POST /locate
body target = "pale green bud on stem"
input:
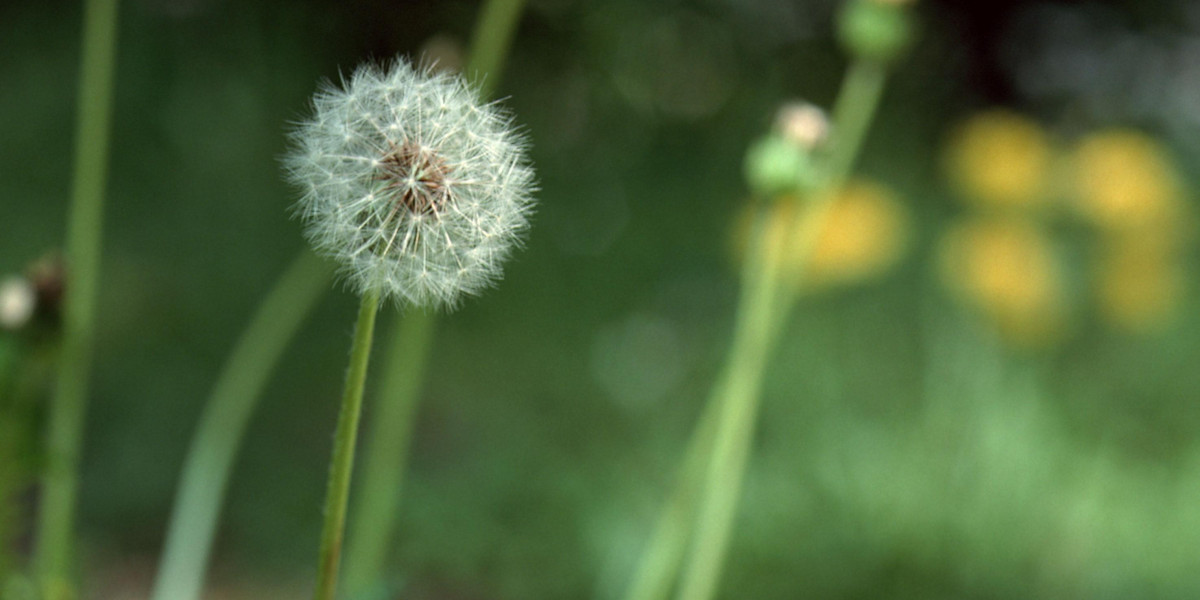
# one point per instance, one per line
(785, 160)
(876, 30)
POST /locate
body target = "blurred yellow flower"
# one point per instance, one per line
(1123, 179)
(999, 159)
(1006, 268)
(864, 232)
(1139, 283)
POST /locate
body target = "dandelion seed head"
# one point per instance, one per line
(411, 183)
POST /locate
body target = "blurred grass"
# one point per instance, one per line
(901, 453)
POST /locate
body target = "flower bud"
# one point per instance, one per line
(802, 124)
(17, 301)
(878, 30)
(776, 166)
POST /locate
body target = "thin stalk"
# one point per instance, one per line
(374, 521)
(852, 115)
(856, 104)
(25, 369)
(664, 551)
(386, 454)
(12, 473)
(222, 427)
(737, 389)
(69, 402)
(490, 44)
(342, 464)
(738, 392)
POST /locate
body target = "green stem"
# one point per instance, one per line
(852, 114)
(227, 412)
(30, 365)
(738, 394)
(489, 46)
(664, 552)
(68, 405)
(342, 464)
(386, 454)
(11, 453)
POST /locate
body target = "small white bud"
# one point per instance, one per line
(802, 124)
(417, 188)
(17, 302)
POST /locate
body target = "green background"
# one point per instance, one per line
(902, 451)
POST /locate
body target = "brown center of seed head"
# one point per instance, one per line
(415, 177)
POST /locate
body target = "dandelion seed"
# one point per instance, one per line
(412, 184)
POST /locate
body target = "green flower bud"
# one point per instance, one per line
(775, 165)
(879, 30)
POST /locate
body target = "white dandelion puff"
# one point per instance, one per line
(411, 183)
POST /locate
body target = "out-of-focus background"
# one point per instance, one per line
(990, 390)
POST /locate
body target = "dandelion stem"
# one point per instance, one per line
(664, 551)
(737, 394)
(12, 446)
(342, 463)
(25, 369)
(223, 424)
(83, 243)
(489, 46)
(852, 115)
(732, 407)
(372, 529)
(386, 454)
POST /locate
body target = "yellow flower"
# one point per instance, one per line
(1139, 283)
(863, 234)
(1006, 268)
(1123, 179)
(1000, 159)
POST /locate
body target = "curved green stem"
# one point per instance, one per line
(737, 392)
(227, 412)
(69, 402)
(665, 550)
(342, 464)
(386, 453)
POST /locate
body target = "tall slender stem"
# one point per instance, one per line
(342, 464)
(735, 394)
(12, 472)
(69, 402)
(738, 394)
(489, 46)
(24, 372)
(386, 454)
(664, 551)
(852, 115)
(223, 424)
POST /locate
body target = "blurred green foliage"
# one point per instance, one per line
(904, 451)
